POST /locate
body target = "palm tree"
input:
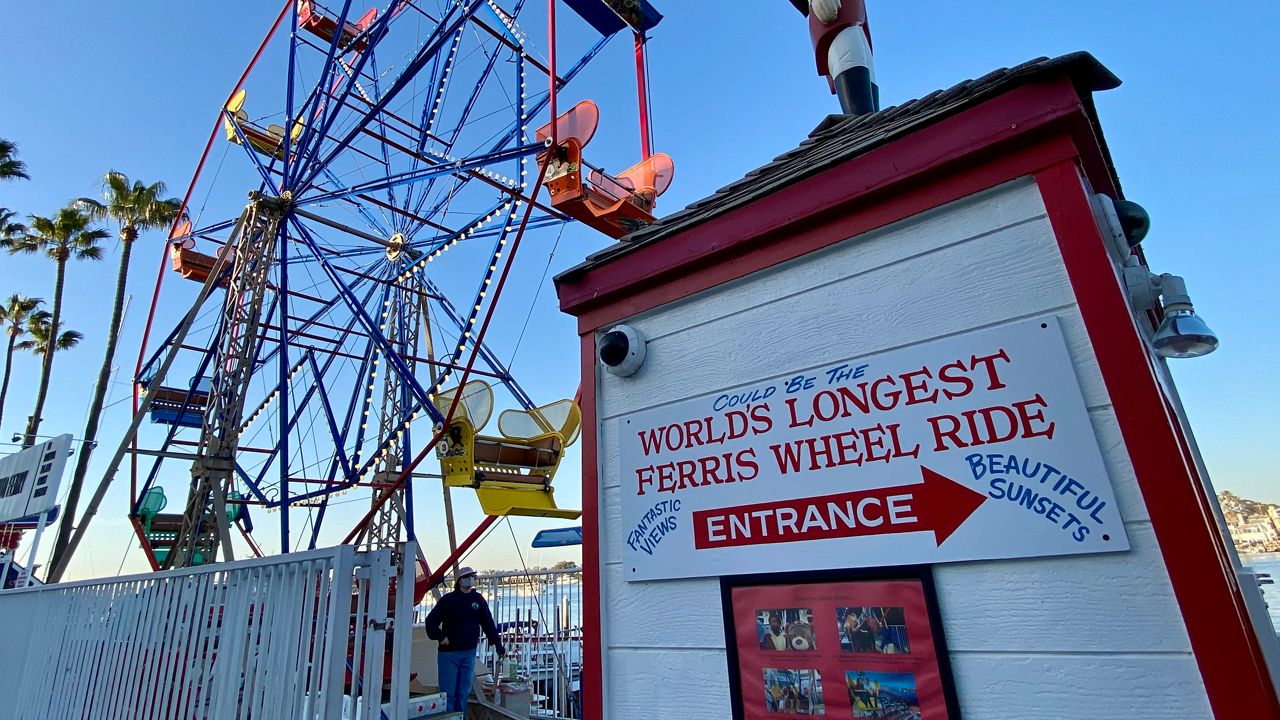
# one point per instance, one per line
(10, 166)
(15, 315)
(65, 236)
(134, 208)
(39, 326)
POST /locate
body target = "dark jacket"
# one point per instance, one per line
(460, 616)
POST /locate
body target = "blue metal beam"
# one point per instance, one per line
(371, 328)
(424, 55)
(413, 176)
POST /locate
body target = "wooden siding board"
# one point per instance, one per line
(1053, 687)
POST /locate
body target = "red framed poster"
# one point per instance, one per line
(841, 645)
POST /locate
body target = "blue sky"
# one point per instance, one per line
(1193, 129)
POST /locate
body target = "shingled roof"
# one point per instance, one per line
(839, 138)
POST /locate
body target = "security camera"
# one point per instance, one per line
(622, 350)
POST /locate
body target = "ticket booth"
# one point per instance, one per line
(879, 431)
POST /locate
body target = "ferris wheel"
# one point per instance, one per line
(316, 344)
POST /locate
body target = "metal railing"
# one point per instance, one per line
(539, 616)
(294, 636)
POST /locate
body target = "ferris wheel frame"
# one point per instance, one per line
(304, 163)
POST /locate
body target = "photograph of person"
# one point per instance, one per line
(787, 629)
(883, 695)
(872, 630)
(798, 692)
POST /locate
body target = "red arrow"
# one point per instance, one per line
(946, 504)
(938, 505)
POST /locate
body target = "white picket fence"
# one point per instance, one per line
(300, 636)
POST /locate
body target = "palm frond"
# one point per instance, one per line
(10, 166)
(137, 205)
(69, 339)
(68, 233)
(90, 207)
(10, 228)
(17, 309)
(40, 331)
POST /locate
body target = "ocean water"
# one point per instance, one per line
(1268, 563)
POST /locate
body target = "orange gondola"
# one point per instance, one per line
(323, 26)
(613, 204)
(187, 262)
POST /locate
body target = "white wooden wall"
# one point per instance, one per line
(1094, 637)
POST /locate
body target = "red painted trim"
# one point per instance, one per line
(592, 563)
(989, 131)
(859, 216)
(1195, 553)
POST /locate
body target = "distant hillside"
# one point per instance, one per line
(1232, 503)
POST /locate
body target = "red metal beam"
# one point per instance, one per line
(463, 547)
(177, 220)
(642, 90)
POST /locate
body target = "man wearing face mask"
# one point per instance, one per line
(456, 622)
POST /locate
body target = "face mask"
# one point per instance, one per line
(467, 584)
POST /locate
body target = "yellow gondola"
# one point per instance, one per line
(511, 474)
(268, 142)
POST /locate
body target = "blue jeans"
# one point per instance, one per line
(456, 669)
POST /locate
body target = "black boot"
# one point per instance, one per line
(858, 96)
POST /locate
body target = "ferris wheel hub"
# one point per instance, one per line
(396, 246)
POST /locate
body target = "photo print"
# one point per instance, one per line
(794, 692)
(873, 630)
(786, 629)
(886, 695)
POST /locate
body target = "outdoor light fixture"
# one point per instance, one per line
(1124, 222)
(1134, 220)
(1182, 334)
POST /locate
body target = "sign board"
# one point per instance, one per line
(972, 447)
(29, 478)
(843, 647)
